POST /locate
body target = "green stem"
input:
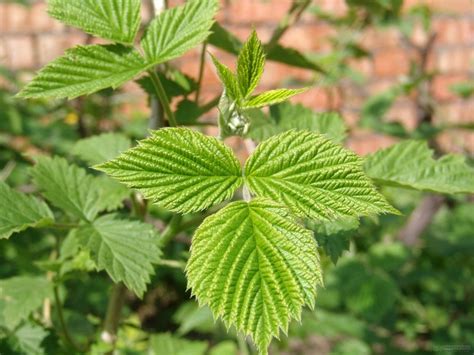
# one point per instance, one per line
(202, 63)
(59, 309)
(171, 230)
(161, 94)
(114, 312)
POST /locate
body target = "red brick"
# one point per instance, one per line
(3, 18)
(366, 143)
(452, 60)
(317, 99)
(452, 6)
(20, 52)
(390, 63)
(380, 38)
(442, 83)
(255, 11)
(276, 74)
(18, 19)
(40, 21)
(404, 112)
(364, 66)
(308, 37)
(454, 30)
(337, 7)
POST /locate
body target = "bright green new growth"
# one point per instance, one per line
(125, 249)
(84, 70)
(175, 31)
(20, 211)
(272, 97)
(313, 176)
(116, 20)
(255, 267)
(410, 164)
(250, 64)
(179, 169)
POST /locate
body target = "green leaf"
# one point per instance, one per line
(255, 267)
(111, 193)
(100, 148)
(117, 20)
(272, 97)
(291, 56)
(191, 317)
(410, 164)
(66, 186)
(221, 38)
(28, 338)
(463, 89)
(19, 211)
(286, 116)
(21, 295)
(250, 64)
(232, 120)
(166, 343)
(179, 169)
(83, 70)
(228, 79)
(125, 249)
(177, 30)
(313, 177)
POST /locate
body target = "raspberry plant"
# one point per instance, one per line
(254, 262)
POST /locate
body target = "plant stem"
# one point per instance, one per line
(171, 230)
(202, 63)
(112, 317)
(295, 12)
(62, 323)
(161, 94)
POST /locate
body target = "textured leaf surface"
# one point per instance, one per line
(177, 30)
(228, 79)
(28, 338)
(67, 186)
(20, 296)
(98, 149)
(166, 343)
(286, 116)
(272, 97)
(313, 177)
(125, 249)
(83, 70)
(117, 20)
(255, 267)
(250, 64)
(179, 169)
(19, 211)
(410, 164)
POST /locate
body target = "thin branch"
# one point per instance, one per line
(161, 94)
(202, 64)
(114, 312)
(171, 230)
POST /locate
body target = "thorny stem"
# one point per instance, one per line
(62, 323)
(161, 94)
(202, 63)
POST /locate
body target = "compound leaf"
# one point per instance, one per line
(100, 148)
(272, 97)
(117, 20)
(313, 176)
(177, 30)
(83, 70)
(67, 186)
(255, 267)
(19, 296)
(19, 211)
(410, 164)
(125, 249)
(250, 64)
(179, 169)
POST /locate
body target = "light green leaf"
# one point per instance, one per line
(313, 177)
(28, 338)
(83, 70)
(250, 64)
(179, 169)
(286, 116)
(21, 295)
(19, 211)
(410, 164)
(272, 97)
(100, 148)
(255, 267)
(111, 193)
(177, 30)
(166, 343)
(125, 249)
(117, 20)
(67, 186)
(228, 79)
(191, 317)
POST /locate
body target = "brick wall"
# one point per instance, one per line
(29, 39)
